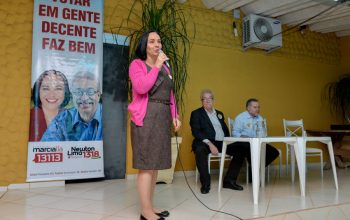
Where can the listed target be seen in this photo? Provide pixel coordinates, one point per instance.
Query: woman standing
(152, 111)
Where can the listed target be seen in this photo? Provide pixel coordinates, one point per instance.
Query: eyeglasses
(207, 99)
(88, 92)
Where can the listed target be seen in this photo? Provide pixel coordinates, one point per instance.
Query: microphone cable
(176, 134)
(4, 194)
(183, 169)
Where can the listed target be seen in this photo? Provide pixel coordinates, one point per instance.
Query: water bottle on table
(260, 129)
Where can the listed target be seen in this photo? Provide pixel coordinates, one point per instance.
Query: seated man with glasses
(209, 129)
(84, 121)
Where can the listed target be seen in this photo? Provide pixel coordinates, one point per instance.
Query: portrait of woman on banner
(83, 121)
(50, 95)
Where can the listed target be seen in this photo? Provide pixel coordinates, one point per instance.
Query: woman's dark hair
(36, 88)
(141, 49)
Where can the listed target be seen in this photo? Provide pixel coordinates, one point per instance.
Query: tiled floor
(118, 199)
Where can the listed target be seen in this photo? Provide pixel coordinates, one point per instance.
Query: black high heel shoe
(143, 218)
(163, 214)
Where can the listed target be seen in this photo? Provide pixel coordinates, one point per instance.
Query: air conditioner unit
(261, 32)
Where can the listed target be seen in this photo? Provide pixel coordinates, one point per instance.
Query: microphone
(166, 62)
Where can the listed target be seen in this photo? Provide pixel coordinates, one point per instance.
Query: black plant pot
(340, 127)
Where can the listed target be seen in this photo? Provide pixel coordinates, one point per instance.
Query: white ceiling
(294, 12)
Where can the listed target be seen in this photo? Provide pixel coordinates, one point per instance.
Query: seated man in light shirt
(244, 127)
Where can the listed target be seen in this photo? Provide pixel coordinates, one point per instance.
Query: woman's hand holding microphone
(162, 57)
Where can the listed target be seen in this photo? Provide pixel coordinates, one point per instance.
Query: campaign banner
(64, 160)
(66, 135)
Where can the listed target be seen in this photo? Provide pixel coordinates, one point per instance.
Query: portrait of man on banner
(83, 122)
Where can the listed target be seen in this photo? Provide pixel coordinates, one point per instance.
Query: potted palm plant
(169, 20)
(338, 96)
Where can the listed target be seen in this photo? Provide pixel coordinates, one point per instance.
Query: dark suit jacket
(202, 128)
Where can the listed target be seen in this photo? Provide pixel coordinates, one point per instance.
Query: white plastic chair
(296, 128)
(213, 158)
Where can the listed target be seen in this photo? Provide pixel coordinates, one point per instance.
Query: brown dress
(151, 143)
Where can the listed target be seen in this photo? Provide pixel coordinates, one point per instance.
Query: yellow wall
(308, 61)
(287, 88)
(15, 66)
(288, 82)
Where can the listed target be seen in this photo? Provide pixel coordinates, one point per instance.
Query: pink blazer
(142, 82)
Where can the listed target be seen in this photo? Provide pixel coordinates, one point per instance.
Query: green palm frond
(170, 22)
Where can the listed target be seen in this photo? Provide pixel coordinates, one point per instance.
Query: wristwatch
(206, 141)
